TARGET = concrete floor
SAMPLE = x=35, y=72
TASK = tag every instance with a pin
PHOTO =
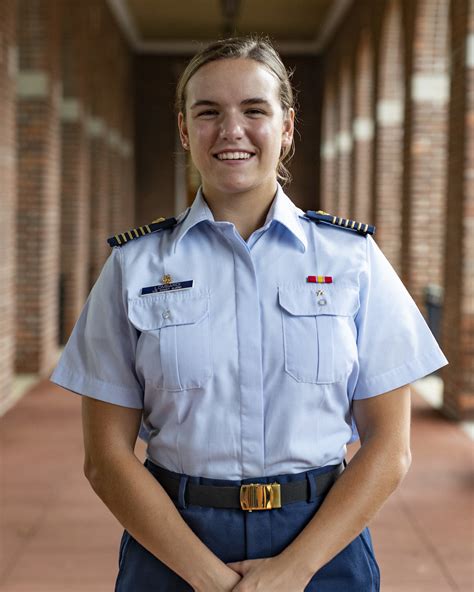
x=56, y=536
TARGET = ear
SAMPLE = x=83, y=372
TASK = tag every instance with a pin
x=183, y=131
x=288, y=128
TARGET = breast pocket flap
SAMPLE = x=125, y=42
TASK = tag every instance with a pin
x=149, y=313
x=328, y=300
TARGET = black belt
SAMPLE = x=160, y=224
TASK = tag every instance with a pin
x=252, y=496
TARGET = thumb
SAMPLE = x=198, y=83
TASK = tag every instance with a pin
x=237, y=566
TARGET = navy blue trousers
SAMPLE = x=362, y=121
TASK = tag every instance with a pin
x=235, y=535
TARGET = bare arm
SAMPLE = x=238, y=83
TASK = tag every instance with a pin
x=139, y=502
x=372, y=475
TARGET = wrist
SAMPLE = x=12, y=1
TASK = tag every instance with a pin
x=217, y=576
x=304, y=568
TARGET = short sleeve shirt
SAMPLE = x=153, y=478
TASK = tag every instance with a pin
x=253, y=370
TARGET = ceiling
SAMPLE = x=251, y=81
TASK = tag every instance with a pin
x=163, y=26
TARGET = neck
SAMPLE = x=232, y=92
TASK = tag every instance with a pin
x=247, y=211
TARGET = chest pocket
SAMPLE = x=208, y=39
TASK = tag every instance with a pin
x=175, y=326
x=318, y=332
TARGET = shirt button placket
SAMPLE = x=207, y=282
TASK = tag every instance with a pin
x=250, y=363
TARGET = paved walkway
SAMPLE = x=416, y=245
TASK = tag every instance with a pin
x=56, y=536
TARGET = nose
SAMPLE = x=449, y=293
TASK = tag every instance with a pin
x=231, y=128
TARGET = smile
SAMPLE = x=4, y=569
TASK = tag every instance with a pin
x=233, y=155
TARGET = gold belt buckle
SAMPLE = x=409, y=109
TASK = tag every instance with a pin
x=260, y=496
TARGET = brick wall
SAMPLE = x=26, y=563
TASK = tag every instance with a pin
x=8, y=194
x=38, y=214
x=390, y=110
x=403, y=179
x=429, y=86
x=363, y=131
x=458, y=312
x=74, y=280
x=328, y=149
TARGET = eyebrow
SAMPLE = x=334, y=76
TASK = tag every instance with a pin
x=251, y=101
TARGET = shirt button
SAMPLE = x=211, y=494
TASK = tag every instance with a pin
x=166, y=314
x=322, y=302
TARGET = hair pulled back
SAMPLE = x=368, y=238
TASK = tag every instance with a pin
x=254, y=48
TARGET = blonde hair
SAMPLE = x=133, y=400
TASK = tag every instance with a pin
x=255, y=48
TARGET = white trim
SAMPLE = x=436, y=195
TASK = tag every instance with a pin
x=431, y=389
x=337, y=13
x=470, y=50
x=32, y=84
x=119, y=9
x=71, y=109
x=468, y=428
x=22, y=383
x=113, y=138
x=390, y=112
x=344, y=142
x=125, y=148
x=328, y=150
x=363, y=129
x=95, y=127
x=432, y=88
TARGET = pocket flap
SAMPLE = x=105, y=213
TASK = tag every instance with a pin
x=305, y=301
x=154, y=311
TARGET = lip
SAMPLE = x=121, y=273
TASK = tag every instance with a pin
x=231, y=161
x=225, y=150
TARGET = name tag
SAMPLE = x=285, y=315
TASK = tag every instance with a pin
x=167, y=287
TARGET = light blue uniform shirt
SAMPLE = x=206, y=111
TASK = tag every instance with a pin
x=253, y=370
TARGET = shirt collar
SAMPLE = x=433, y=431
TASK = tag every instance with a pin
x=282, y=210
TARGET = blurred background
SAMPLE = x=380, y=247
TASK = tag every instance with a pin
x=89, y=147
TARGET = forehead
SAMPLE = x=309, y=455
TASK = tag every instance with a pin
x=232, y=78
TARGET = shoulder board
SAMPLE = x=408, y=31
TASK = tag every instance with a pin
x=359, y=227
x=124, y=237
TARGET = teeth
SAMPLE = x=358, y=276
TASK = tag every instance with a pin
x=234, y=156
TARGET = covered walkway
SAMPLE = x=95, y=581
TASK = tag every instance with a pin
x=58, y=537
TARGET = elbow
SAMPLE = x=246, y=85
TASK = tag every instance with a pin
x=93, y=472
x=405, y=461
x=401, y=466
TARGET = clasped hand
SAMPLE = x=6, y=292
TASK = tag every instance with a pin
x=263, y=575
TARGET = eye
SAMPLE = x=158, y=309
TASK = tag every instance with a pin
x=207, y=113
x=255, y=112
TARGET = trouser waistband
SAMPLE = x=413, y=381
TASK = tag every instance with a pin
x=252, y=494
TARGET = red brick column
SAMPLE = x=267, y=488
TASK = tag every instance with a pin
x=98, y=191
x=458, y=310
x=344, y=141
x=328, y=150
x=75, y=169
x=388, y=164
x=98, y=92
x=38, y=221
x=363, y=131
x=8, y=67
x=109, y=122
x=424, y=240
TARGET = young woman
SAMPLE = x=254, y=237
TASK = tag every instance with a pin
x=252, y=344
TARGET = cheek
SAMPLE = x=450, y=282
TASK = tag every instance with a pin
x=269, y=136
x=201, y=135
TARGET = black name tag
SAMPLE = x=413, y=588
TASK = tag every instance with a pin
x=167, y=287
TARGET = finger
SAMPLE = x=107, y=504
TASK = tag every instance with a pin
x=236, y=566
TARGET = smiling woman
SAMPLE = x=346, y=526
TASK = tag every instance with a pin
x=236, y=129
x=252, y=345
